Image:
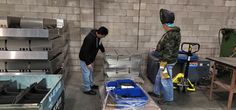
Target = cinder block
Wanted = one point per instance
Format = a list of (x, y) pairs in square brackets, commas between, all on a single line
[(143, 6), (219, 2), (142, 19), (230, 3), (86, 3), (74, 44), (44, 2), (86, 17), (120, 13), (113, 5), (72, 17), (22, 8), (132, 12), (151, 20), (186, 33), (30, 15), (87, 24), (194, 14), (133, 1), (3, 1), (37, 8), (231, 22), (113, 19), (86, 11), (145, 38), (199, 21), (59, 16), (76, 10), (204, 27), (101, 18), (150, 44), (141, 32), (128, 44), (187, 21), (152, 6), (171, 1), (131, 38), (30, 2), (14, 1), (74, 68), (126, 6), (126, 19), (107, 12), (145, 13), (182, 2), (52, 9), (74, 3), (136, 6), (217, 9), (179, 8), (135, 19), (188, 27), (66, 10), (44, 15)]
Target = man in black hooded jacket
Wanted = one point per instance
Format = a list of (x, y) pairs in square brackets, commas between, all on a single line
[(87, 56)]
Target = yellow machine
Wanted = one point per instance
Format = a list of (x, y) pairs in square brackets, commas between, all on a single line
[(178, 82), (181, 81)]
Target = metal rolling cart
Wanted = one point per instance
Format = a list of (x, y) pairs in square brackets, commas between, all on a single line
[(122, 64), (31, 92), (33, 53), (33, 45)]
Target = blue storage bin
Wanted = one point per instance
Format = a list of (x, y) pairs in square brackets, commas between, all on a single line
[(133, 97)]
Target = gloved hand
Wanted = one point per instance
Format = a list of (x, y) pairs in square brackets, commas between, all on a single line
[(164, 72)]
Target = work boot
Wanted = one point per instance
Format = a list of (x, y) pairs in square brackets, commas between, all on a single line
[(94, 87), (154, 95), (91, 92)]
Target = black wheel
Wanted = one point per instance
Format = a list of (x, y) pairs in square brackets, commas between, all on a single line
[(184, 89)]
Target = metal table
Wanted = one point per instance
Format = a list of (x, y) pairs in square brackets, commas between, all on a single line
[(231, 64)]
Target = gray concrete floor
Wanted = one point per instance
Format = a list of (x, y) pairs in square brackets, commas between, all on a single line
[(76, 100)]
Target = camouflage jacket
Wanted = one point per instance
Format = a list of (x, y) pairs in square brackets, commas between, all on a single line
[(168, 46)]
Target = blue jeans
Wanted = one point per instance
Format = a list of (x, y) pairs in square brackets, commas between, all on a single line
[(87, 75), (165, 86)]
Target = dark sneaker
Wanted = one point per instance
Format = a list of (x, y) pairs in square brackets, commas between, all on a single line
[(153, 94), (91, 92), (94, 87), (163, 102)]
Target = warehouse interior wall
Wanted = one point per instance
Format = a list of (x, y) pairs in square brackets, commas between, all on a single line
[(132, 24)]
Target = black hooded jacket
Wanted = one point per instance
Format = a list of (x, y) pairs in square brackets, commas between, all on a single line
[(90, 47)]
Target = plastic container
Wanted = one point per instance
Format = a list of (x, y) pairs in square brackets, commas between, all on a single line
[(126, 94)]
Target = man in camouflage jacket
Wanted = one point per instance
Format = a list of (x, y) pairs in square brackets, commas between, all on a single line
[(167, 51)]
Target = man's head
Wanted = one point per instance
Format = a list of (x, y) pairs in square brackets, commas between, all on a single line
[(102, 32), (167, 18)]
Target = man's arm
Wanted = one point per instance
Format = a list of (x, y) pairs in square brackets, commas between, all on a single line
[(101, 48), (168, 45)]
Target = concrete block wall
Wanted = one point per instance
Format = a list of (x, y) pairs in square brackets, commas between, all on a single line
[(136, 22)]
